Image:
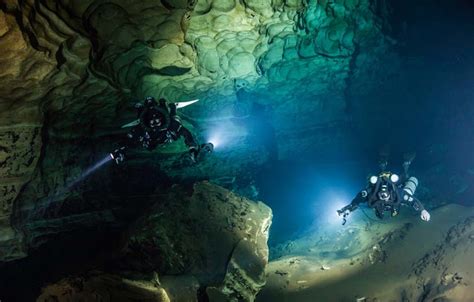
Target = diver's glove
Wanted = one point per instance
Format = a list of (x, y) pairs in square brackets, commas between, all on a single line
[(197, 153), (345, 211), (425, 215), (118, 155), (206, 148), (342, 211)]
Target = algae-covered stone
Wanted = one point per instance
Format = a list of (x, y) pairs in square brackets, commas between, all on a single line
[(263, 7), (103, 287), (223, 5), (245, 274), (196, 231), (241, 64)]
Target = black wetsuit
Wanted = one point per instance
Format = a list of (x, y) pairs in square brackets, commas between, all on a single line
[(170, 130), (398, 197)]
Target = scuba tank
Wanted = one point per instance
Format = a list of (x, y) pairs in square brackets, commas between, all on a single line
[(410, 187)]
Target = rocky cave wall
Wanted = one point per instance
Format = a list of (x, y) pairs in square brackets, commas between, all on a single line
[(192, 244), (71, 71)]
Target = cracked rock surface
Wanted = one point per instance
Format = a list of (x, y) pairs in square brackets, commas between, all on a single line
[(203, 241)]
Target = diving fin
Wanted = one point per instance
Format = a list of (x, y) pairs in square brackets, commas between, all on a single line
[(178, 105), (184, 104), (409, 156), (131, 124)]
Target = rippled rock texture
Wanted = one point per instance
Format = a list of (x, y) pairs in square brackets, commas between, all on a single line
[(266, 72), (71, 71)]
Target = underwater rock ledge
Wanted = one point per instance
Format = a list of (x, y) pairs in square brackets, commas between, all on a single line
[(204, 244)]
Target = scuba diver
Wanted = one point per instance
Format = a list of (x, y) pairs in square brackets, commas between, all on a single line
[(386, 192), (158, 124)]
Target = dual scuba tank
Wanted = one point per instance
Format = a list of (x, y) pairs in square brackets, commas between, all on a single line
[(410, 187)]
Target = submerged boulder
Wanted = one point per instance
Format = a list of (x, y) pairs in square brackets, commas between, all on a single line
[(98, 286), (201, 241), (208, 232)]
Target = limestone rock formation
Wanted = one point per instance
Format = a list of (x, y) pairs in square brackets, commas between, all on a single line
[(97, 286), (229, 236), (71, 71), (276, 79), (204, 241)]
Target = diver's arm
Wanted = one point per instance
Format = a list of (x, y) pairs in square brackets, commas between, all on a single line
[(424, 214), (416, 204), (409, 199), (189, 139), (360, 198), (131, 140), (345, 211)]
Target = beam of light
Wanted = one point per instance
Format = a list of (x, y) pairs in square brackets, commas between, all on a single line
[(224, 135), (327, 205), (89, 171), (217, 140), (337, 203), (58, 195)]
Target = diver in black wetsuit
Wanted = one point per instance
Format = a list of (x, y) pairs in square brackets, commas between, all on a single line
[(387, 193), (158, 124)]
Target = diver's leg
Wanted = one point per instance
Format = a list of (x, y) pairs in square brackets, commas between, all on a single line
[(384, 154), (190, 141), (130, 141), (407, 160)]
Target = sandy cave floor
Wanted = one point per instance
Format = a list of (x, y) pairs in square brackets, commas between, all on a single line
[(406, 260)]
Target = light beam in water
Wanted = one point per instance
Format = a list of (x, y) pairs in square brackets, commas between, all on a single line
[(56, 197), (327, 205), (224, 135), (89, 171)]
